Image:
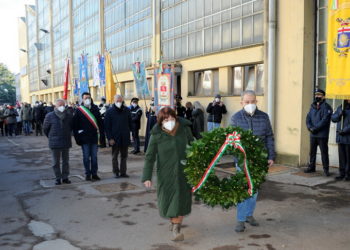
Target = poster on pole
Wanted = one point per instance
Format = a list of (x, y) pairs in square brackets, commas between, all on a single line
[(139, 71), (163, 86), (99, 71)]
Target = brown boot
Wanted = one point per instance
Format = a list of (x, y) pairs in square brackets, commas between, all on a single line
[(177, 236)]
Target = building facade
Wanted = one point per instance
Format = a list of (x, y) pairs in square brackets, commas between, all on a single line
[(218, 46)]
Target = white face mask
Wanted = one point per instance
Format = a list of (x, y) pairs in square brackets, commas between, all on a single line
[(250, 108), (61, 108), (134, 105), (217, 99), (87, 102), (169, 125), (118, 104)]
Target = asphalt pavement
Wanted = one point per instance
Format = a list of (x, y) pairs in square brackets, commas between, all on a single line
[(295, 210)]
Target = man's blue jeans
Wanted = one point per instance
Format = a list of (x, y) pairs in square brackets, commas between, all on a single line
[(90, 158), (27, 127), (246, 208), (213, 125)]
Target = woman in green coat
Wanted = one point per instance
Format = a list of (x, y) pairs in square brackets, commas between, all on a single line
[(167, 147)]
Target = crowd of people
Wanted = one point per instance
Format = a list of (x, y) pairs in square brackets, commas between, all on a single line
[(168, 133)]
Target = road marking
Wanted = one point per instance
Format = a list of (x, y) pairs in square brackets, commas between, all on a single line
[(16, 144)]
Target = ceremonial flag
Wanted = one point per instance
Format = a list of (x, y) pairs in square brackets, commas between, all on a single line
[(76, 87), (83, 74), (140, 79), (163, 87), (102, 71), (338, 46), (66, 79), (96, 71), (110, 85)]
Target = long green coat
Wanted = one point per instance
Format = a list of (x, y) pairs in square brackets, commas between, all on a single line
[(174, 194)]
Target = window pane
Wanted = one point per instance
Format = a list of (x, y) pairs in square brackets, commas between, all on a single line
[(177, 48), (237, 81), (199, 43), (322, 53), (247, 30), (207, 7), (184, 12), (235, 2), (192, 44), (247, 9), (322, 29), (260, 79), (216, 38), (184, 46), (258, 28), (249, 77), (226, 35), (258, 5), (129, 90), (236, 33), (225, 4), (207, 40)]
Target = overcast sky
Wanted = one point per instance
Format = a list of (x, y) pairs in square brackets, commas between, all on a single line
[(10, 10)]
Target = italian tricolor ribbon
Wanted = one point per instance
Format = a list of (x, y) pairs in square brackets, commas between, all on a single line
[(234, 140), (92, 119)]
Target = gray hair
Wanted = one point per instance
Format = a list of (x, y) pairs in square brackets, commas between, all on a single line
[(117, 96), (60, 100), (248, 92), (197, 105)]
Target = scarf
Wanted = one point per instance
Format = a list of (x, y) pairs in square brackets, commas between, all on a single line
[(61, 115)]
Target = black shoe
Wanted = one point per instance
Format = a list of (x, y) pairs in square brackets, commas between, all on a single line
[(88, 178), (347, 178), (309, 170), (58, 182), (95, 177), (102, 146), (66, 181), (124, 176), (136, 152), (339, 178), (326, 173), (116, 176)]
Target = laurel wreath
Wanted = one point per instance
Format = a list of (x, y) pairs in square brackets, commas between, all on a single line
[(228, 191)]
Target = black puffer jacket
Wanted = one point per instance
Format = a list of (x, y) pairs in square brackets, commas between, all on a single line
[(215, 112), (83, 130), (58, 132), (117, 125), (318, 119), (343, 135)]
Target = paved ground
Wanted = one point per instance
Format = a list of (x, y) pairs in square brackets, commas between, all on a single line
[(295, 211)]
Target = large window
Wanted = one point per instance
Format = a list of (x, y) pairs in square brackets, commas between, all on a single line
[(32, 51), (206, 83), (321, 44), (129, 89), (248, 77), (128, 32), (197, 27)]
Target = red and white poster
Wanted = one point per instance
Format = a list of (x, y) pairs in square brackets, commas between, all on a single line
[(164, 90)]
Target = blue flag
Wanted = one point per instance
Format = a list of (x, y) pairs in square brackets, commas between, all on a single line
[(141, 80), (83, 74)]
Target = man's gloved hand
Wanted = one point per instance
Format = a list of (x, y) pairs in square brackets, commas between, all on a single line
[(341, 132), (312, 130)]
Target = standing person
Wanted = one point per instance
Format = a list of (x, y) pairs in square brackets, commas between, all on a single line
[(26, 114), (342, 117), (198, 120), (136, 114), (151, 121), (48, 108), (117, 127), (251, 118), (18, 120), (215, 110), (86, 125), (103, 108), (188, 112), (38, 114), (167, 147), (10, 114), (58, 127), (180, 110), (2, 120), (318, 121)]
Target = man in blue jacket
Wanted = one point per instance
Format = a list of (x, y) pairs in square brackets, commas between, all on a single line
[(117, 128), (318, 121), (87, 124), (250, 118), (342, 117)]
